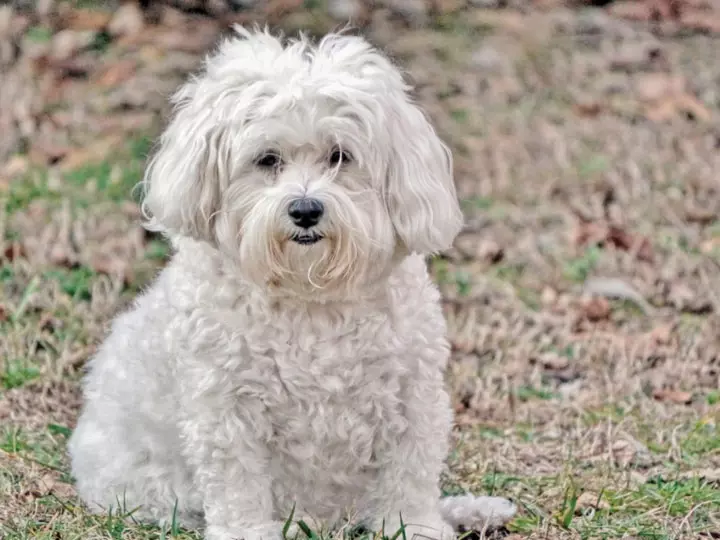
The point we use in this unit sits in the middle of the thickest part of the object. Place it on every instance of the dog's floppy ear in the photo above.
(421, 193)
(184, 178)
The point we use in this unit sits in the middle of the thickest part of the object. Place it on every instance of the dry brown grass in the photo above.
(582, 298)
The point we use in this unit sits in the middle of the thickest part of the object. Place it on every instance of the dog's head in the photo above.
(307, 163)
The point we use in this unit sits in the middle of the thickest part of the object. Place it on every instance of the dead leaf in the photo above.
(95, 152)
(132, 121)
(43, 152)
(692, 107)
(621, 239)
(673, 396)
(630, 9)
(447, 6)
(62, 255)
(471, 246)
(596, 308)
(703, 216)
(277, 8)
(703, 20)
(601, 233)
(117, 73)
(708, 475)
(664, 95)
(682, 297)
(662, 335)
(711, 246)
(50, 483)
(551, 360)
(649, 10)
(549, 296)
(506, 20)
(105, 263)
(590, 501)
(463, 344)
(629, 450)
(85, 19)
(15, 166)
(590, 232)
(200, 39)
(3, 313)
(68, 42)
(127, 21)
(588, 109)
(131, 209)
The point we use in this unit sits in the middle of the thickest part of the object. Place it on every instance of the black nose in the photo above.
(306, 213)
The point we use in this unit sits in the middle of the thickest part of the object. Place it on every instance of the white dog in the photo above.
(291, 355)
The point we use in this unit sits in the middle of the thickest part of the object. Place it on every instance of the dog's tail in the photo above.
(471, 513)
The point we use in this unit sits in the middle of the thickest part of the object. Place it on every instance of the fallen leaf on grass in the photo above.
(110, 265)
(630, 9)
(710, 246)
(603, 233)
(595, 308)
(486, 249)
(629, 450)
(673, 396)
(549, 296)
(662, 335)
(503, 20)
(46, 153)
(117, 73)
(685, 299)
(50, 483)
(85, 19)
(708, 475)
(68, 42)
(447, 6)
(650, 10)
(590, 501)
(94, 153)
(62, 255)
(703, 20)
(551, 360)
(15, 166)
(703, 216)
(14, 251)
(128, 20)
(588, 109)
(664, 95)
(199, 40)
(276, 8)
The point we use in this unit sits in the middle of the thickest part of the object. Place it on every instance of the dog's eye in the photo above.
(340, 157)
(268, 160)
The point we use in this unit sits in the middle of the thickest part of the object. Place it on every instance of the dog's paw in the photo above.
(469, 512)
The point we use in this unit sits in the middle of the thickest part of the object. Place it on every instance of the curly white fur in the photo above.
(259, 373)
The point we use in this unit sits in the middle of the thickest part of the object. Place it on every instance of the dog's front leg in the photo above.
(224, 441)
(408, 486)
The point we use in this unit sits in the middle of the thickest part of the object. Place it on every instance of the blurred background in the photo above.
(582, 297)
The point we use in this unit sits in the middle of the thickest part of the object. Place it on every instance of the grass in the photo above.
(576, 437)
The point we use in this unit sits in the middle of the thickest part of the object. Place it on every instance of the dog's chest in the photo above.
(335, 397)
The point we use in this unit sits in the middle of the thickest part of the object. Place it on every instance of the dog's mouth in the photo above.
(306, 239)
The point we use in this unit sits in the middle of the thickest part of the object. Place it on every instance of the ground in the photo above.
(582, 298)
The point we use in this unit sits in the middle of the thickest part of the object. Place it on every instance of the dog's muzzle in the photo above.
(306, 239)
(306, 213)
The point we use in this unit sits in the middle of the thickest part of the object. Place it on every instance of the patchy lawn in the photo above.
(583, 297)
